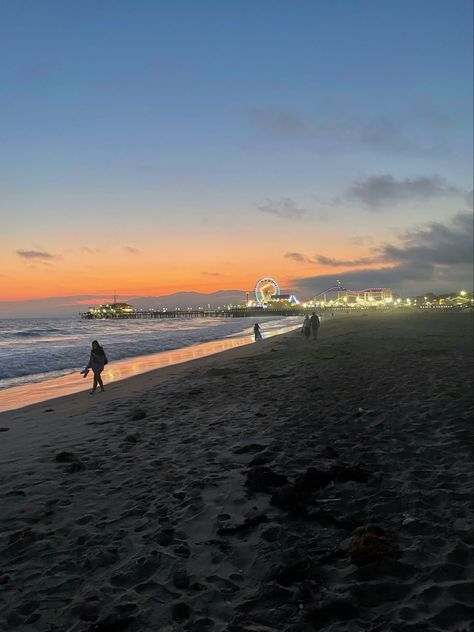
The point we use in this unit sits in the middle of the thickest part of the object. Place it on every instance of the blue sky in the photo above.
(186, 115)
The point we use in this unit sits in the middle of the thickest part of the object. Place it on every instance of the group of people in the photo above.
(98, 359)
(311, 326)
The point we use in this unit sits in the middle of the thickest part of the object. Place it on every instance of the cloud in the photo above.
(297, 256)
(212, 274)
(91, 251)
(435, 257)
(469, 199)
(35, 255)
(328, 261)
(339, 130)
(285, 208)
(377, 191)
(132, 250)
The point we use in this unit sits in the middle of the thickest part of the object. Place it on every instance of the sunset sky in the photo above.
(151, 147)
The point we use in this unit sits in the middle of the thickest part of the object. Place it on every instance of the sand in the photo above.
(290, 485)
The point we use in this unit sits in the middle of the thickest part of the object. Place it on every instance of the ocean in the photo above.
(33, 350)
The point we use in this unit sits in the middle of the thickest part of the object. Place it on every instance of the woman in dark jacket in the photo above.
(97, 361)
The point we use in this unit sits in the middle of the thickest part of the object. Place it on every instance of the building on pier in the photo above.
(111, 310)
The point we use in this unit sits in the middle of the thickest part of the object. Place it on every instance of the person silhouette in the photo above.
(96, 363)
(306, 327)
(315, 325)
(256, 331)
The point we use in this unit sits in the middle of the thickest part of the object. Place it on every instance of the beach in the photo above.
(291, 485)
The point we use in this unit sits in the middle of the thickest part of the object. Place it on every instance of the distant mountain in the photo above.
(189, 299)
(64, 306)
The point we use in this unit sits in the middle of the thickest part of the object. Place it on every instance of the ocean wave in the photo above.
(32, 357)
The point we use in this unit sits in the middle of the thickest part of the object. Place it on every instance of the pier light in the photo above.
(463, 292)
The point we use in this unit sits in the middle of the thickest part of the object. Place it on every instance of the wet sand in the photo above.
(291, 485)
(25, 395)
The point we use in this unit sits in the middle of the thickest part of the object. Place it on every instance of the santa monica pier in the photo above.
(267, 299)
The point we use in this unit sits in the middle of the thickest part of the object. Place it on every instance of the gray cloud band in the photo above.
(436, 254)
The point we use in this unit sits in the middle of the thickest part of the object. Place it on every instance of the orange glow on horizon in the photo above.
(231, 263)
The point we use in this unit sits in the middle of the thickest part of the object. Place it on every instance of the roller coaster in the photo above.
(368, 295)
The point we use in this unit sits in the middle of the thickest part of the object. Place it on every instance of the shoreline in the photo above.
(51, 389)
(236, 491)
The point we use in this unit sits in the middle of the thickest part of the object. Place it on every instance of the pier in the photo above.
(254, 312)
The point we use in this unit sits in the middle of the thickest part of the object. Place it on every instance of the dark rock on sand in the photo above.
(261, 479)
(371, 543)
(4, 429)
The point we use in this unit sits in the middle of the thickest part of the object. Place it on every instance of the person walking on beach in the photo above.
(315, 325)
(256, 331)
(306, 327)
(97, 361)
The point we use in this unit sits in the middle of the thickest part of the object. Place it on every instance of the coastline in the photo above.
(50, 389)
(172, 503)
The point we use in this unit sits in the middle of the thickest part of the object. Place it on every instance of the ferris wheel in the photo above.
(265, 289)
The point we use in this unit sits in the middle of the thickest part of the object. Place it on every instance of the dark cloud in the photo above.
(285, 208)
(327, 261)
(132, 250)
(212, 274)
(37, 255)
(376, 191)
(434, 257)
(297, 256)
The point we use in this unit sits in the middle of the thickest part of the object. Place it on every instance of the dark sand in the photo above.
(289, 485)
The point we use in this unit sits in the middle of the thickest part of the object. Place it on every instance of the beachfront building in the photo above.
(371, 296)
(338, 296)
(111, 310)
(283, 300)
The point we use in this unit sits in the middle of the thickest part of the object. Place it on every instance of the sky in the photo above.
(152, 147)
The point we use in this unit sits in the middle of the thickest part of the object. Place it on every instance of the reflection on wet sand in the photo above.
(19, 396)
